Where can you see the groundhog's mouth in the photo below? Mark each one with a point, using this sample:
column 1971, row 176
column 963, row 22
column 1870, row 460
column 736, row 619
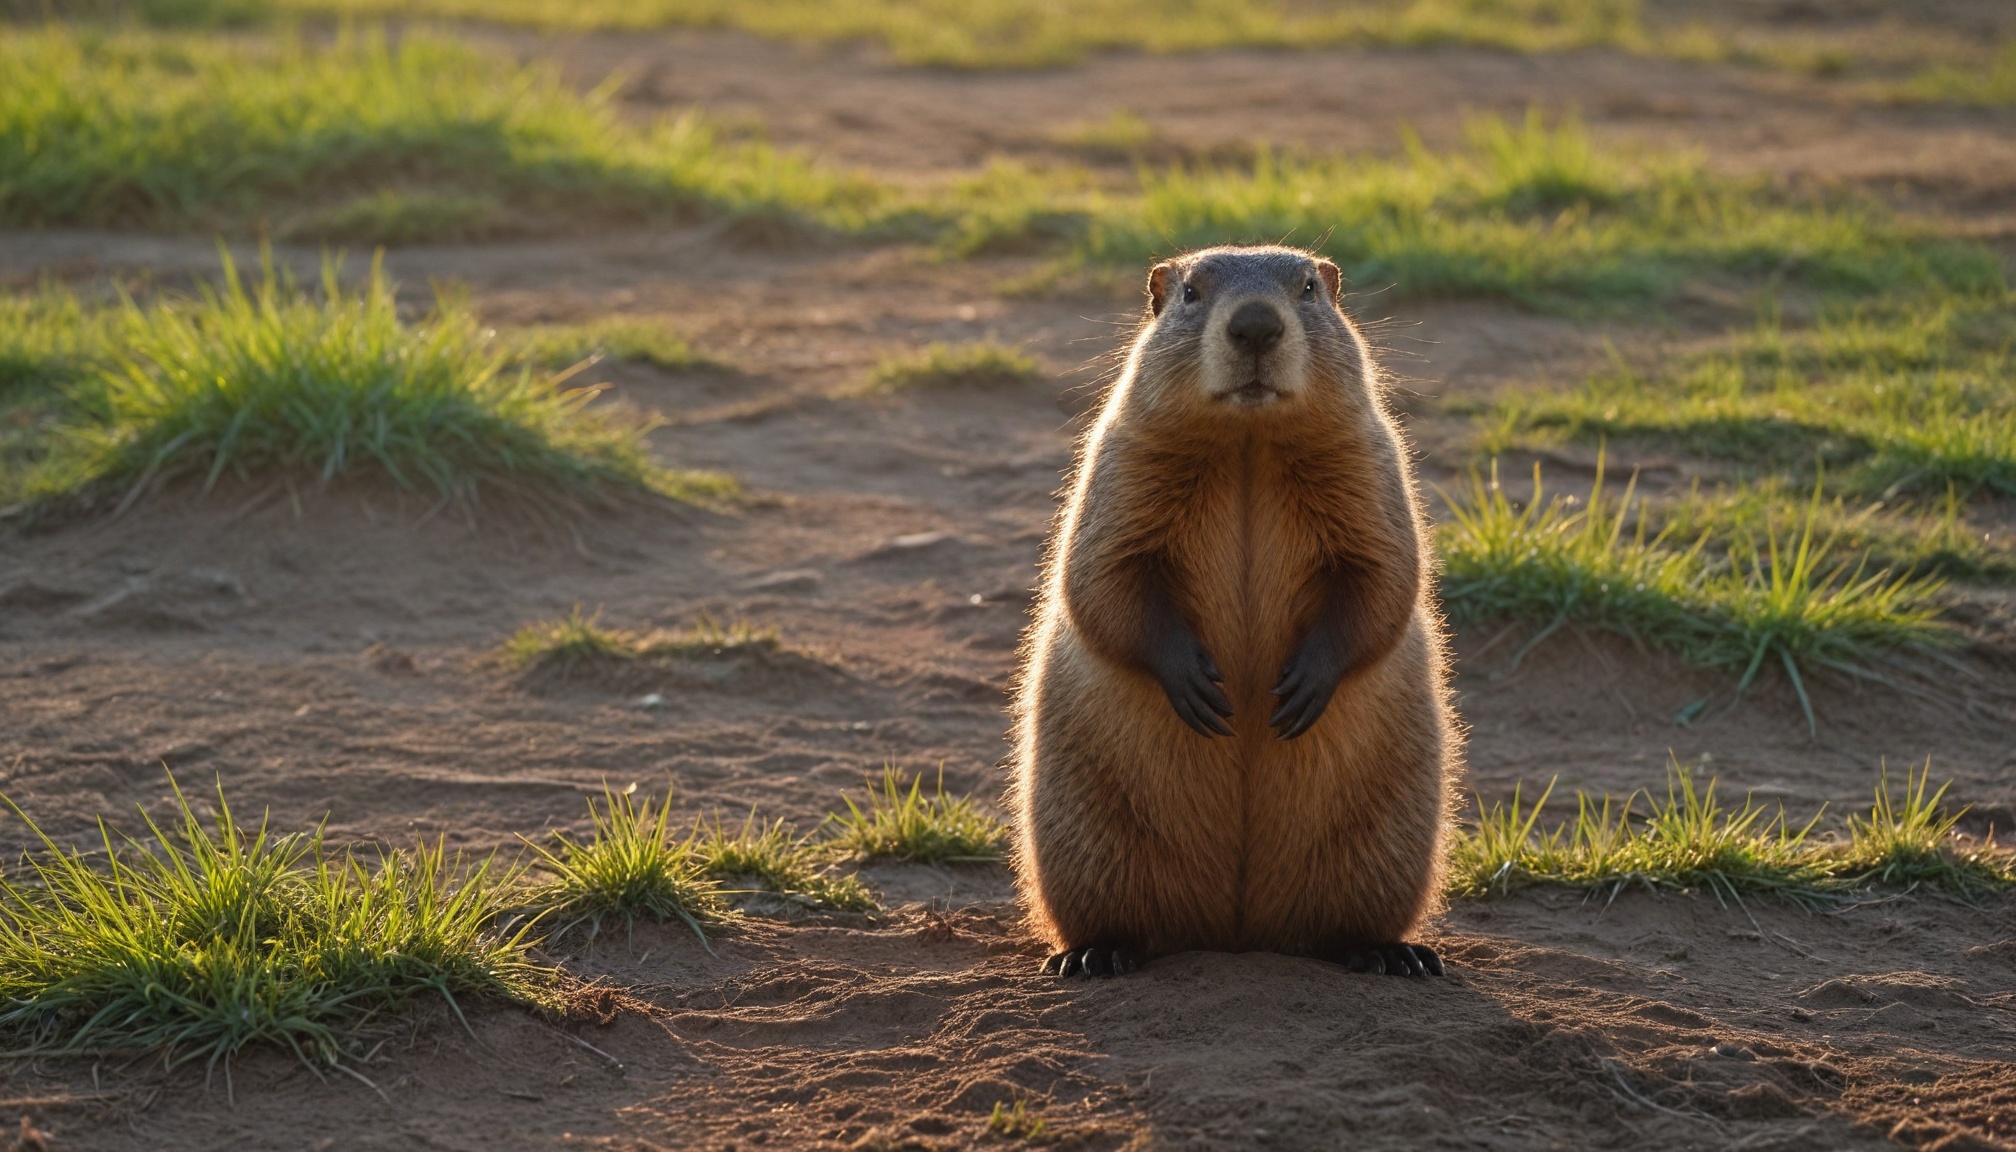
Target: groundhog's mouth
column 1251, row 394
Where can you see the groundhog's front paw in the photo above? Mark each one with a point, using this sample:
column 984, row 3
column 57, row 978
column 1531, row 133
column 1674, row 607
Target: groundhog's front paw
column 1094, row 961
column 1395, row 960
column 1191, row 678
column 1308, row 681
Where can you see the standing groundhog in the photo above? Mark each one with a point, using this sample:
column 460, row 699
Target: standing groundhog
column 1243, row 540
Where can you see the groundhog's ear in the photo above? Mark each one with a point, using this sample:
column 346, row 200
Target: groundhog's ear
column 1332, row 278
column 1158, row 288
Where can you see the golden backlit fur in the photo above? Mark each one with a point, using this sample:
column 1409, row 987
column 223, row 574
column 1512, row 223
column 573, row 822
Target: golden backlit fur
column 1259, row 510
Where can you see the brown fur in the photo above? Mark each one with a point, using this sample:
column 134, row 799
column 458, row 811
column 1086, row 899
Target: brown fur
column 1263, row 524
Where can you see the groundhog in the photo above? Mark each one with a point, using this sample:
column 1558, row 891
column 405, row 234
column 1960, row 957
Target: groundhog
column 1232, row 727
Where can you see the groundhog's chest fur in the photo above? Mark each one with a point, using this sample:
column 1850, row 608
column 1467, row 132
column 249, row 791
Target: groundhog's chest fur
column 1241, row 558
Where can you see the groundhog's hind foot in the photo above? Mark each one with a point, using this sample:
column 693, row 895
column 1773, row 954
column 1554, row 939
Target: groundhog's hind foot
column 1094, row 961
column 1395, row 960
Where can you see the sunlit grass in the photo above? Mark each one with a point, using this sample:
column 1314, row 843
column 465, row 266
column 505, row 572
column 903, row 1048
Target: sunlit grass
column 1536, row 214
column 781, row 860
column 898, row 820
column 203, row 938
column 1990, row 85
column 630, row 866
column 1907, row 838
column 266, row 380
column 1786, row 599
column 1893, row 397
column 359, row 141
column 48, row 337
column 579, row 638
column 1017, row 1121
column 398, row 217
column 976, row 365
column 1692, row 840
column 1036, row 33
column 623, row 339
column 1933, row 537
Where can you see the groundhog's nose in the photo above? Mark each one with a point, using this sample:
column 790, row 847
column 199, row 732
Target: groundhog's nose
column 1255, row 327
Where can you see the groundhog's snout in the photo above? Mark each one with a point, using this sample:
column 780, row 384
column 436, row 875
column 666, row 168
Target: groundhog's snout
column 1255, row 328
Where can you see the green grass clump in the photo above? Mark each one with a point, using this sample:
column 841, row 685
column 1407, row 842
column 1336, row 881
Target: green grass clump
column 1908, row 839
column 357, row 140
column 781, row 861
column 1691, row 841
column 1537, row 215
column 1787, row 600
column 579, row 638
column 1929, row 536
column 977, row 365
column 900, row 823
column 1989, row 86
column 630, row 865
column 1029, row 33
column 559, row 346
column 49, row 337
column 1895, row 396
column 200, row 940
column 397, row 217
column 1017, row 1121
column 274, row 380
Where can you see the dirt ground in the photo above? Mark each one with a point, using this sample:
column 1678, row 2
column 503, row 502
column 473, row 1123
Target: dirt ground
column 327, row 653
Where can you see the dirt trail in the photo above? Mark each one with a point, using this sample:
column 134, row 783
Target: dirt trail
column 329, row 653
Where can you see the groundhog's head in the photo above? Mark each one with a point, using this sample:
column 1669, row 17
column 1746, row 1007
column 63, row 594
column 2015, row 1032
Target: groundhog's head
column 1248, row 329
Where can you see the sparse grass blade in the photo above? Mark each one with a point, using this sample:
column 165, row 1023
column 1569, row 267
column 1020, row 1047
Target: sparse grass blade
column 900, row 822
column 202, row 939
column 630, row 865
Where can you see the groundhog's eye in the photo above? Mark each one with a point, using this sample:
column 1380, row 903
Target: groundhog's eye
column 1309, row 289
column 1189, row 294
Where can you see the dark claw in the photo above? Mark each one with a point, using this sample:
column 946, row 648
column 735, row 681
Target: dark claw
column 1308, row 680
column 1093, row 961
column 1395, row 960
column 1191, row 679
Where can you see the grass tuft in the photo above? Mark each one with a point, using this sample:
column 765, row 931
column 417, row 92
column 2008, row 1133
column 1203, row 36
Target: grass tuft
column 559, row 346
column 630, row 865
column 399, row 217
column 1786, row 600
column 1017, row 1121
column 359, row 140
column 200, row 940
column 1536, row 214
column 978, row 365
column 902, row 823
column 1907, row 838
column 270, row 379
column 1692, row 841
column 1989, row 86
column 1894, row 396
column 781, row 861
column 579, row 638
